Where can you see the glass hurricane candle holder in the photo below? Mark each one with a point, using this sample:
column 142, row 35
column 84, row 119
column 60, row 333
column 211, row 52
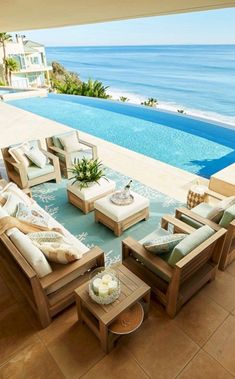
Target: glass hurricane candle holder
column 104, row 285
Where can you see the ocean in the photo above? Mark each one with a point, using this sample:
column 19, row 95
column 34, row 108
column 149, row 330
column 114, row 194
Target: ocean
column 197, row 78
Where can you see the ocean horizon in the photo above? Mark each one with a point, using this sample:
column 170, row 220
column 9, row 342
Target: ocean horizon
column 197, row 78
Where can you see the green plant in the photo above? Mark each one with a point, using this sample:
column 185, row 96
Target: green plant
column 86, row 171
column 4, row 38
column 93, row 88
column 151, row 102
column 11, row 66
column 123, row 99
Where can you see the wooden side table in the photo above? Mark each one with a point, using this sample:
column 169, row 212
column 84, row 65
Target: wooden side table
column 100, row 317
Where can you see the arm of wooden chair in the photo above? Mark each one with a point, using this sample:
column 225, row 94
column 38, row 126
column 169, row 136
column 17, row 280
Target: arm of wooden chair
column 214, row 195
column 178, row 225
column 91, row 145
column 133, row 247
column 81, row 266
column 56, row 163
column 21, row 261
column 204, row 221
column 20, row 169
column 57, row 150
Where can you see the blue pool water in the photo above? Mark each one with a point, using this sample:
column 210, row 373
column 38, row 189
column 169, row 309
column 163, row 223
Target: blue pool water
column 4, row 91
column 191, row 144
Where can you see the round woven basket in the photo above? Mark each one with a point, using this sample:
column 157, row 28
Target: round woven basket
column 128, row 321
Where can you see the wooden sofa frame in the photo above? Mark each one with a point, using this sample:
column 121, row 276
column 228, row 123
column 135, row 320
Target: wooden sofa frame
column 17, row 173
column 67, row 163
column 35, row 288
column 186, row 277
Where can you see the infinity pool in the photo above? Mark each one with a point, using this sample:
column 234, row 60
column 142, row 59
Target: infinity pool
column 191, row 144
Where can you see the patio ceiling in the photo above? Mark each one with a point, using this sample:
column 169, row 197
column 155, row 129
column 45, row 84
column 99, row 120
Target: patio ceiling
column 29, row 14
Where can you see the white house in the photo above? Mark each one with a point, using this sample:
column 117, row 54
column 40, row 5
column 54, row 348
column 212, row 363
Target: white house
column 31, row 57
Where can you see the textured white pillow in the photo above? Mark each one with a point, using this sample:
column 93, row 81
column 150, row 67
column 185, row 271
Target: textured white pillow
column 11, row 205
column 59, row 252
column 12, row 188
column 31, row 253
column 18, row 153
column 56, row 247
column 3, row 213
column 36, row 156
column 31, row 214
column 70, row 142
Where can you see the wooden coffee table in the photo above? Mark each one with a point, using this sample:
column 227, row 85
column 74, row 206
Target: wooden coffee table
column 100, row 317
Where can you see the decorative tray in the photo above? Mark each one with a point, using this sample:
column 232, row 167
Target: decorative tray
column 128, row 321
column 118, row 199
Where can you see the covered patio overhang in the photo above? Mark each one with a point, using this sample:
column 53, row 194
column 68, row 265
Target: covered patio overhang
column 25, row 14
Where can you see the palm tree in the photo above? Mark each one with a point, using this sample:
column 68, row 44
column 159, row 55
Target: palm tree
column 151, row 102
column 4, row 38
column 123, row 99
column 93, row 88
column 11, row 66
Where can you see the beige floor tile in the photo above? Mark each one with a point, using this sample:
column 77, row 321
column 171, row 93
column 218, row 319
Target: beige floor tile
column 73, row 346
column 231, row 268
column 32, row 362
column 6, row 297
column 160, row 347
column 221, row 290
column 200, row 317
column 221, row 345
column 203, row 366
column 16, row 331
column 116, row 365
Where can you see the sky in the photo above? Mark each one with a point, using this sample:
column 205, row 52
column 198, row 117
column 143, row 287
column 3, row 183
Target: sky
column 210, row 27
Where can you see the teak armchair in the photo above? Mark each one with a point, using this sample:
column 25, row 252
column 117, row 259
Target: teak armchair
column 19, row 174
column 66, row 159
column 186, row 277
column 228, row 251
column 38, row 291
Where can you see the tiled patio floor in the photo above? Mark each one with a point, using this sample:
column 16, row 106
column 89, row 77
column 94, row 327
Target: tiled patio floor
column 198, row 343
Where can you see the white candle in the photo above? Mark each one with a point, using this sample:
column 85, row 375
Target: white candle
column 112, row 286
column 103, row 290
column 96, row 284
column 106, row 278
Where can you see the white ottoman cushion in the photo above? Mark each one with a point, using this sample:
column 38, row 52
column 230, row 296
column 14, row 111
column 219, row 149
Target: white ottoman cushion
column 94, row 190
column 121, row 212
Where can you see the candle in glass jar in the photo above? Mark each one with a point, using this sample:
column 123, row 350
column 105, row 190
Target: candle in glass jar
column 103, row 290
column 106, row 278
column 112, row 285
column 96, row 284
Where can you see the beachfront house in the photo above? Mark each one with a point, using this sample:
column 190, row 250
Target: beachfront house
column 33, row 70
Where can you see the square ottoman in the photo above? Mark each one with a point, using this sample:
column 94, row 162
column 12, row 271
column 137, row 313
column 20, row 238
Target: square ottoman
column 84, row 198
column 120, row 217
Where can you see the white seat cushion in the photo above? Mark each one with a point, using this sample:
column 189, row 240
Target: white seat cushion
column 121, row 212
column 34, row 172
column 94, row 190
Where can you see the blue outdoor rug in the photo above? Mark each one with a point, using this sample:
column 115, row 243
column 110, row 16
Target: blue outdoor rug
column 53, row 198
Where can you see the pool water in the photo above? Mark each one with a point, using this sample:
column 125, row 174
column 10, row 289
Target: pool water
column 191, row 144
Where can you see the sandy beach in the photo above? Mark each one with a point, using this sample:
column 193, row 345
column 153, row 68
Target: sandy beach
column 173, row 107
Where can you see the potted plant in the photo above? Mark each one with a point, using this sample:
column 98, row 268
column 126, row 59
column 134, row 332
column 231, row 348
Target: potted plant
column 87, row 171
